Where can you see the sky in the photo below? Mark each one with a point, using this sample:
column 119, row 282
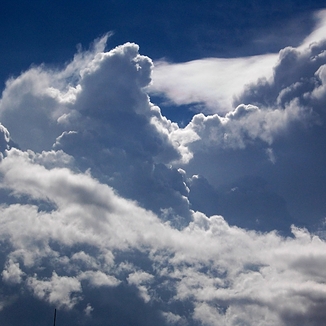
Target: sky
column 163, row 163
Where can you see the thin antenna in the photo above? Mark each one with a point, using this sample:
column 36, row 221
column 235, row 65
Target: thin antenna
column 55, row 316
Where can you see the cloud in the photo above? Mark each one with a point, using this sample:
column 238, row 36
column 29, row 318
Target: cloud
column 212, row 81
column 115, row 135
column 298, row 81
column 222, row 271
column 57, row 290
column 277, row 136
column 114, row 214
column 319, row 31
column 244, row 125
column 298, row 75
column 215, row 82
column 12, row 273
column 96, row 112
column 104, row 122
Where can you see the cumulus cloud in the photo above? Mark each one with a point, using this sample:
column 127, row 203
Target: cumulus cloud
column 241, row 127
column 272, row 126
column 275, row 132
column 113, row 213
column 12, row 273
column 218, row 271
column 96, row 111
column 57, row 290
column 216, row 82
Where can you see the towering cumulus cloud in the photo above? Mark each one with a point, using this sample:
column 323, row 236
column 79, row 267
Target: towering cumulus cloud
column 115, row 215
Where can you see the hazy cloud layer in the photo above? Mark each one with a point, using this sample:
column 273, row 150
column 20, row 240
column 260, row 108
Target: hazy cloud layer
column 113, row 214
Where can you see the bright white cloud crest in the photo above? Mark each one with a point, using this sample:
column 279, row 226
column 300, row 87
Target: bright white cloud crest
column 96, row 197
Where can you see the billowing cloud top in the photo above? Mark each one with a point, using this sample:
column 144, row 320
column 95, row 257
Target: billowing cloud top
column 114, row 214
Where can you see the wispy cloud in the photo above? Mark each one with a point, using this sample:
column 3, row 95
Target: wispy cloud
column 224, row 273
column 215, row 82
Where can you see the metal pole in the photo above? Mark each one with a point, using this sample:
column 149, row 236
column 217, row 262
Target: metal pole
column 55, row 316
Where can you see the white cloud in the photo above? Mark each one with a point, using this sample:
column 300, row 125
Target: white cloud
column 68, row 230
column 29, row 110
column 227, row 272
column 59, row 290
column 174, row 319
column 141, row 280
column 97, row 113
column 88, row 310
column 12, row 273
column 238, row 128
column 32, row 103
column 319, row 31
column 216, row 82
column 98, row 278
column 213, row 81
column 319, row 92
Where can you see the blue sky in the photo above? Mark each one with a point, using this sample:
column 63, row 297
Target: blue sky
column 48, row 31
column 163, row 163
